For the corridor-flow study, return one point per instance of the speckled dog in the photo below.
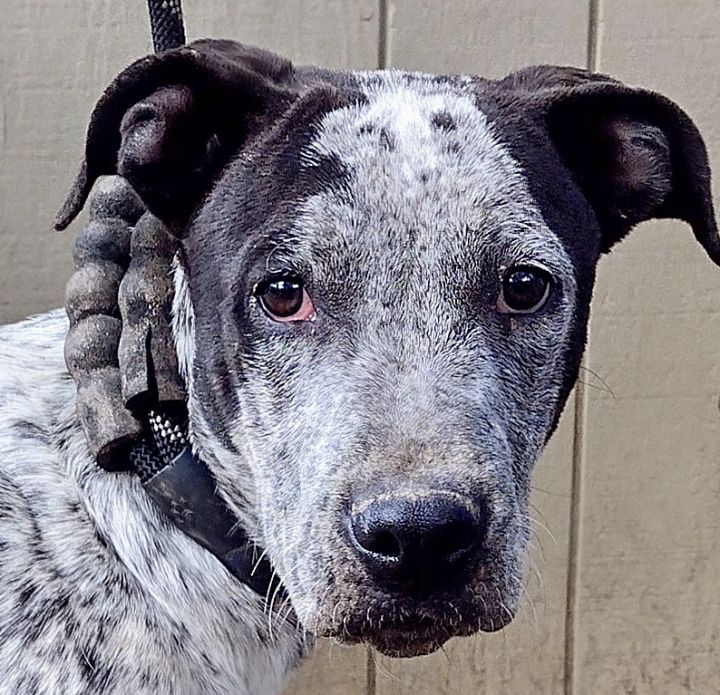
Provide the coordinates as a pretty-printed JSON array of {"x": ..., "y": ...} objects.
[{"x": 381, "y": 306}]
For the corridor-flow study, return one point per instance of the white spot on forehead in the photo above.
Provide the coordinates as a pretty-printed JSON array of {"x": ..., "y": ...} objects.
[
  {"x": 407, "y": 111},
  {"x": 403, "y": 106}
]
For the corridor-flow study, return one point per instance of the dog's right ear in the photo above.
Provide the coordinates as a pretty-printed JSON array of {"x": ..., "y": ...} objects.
[
  {"x": 634, "y": 154},
  {"x": 169, "y": 122}
]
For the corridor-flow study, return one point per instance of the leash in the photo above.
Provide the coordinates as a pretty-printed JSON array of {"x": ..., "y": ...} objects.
[{"x": 166, "y": 24}]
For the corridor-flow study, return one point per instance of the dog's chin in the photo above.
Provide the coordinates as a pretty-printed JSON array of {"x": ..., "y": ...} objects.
[
  {"x": 406, "y": 642},
  {"x": 414, "y": 635},
  {"x": 400, "y": 645}
]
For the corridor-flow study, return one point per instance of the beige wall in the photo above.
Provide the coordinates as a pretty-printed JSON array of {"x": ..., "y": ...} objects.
[{"x": 623, "y": 593}]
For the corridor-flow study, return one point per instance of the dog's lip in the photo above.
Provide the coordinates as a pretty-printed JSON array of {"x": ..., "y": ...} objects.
[
  {"x": 412, "y": 632},
  {"x": 409, "y": 638},
  {"x": 414, "y": 625},
  {"x": 425, "y": 635},
  {"x": 413, "y": 635}
]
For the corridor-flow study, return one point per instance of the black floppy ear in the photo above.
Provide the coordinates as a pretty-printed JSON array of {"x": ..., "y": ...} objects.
[
  {"x": 635, "y": 154},
  {"x": 170, "y": 121}
]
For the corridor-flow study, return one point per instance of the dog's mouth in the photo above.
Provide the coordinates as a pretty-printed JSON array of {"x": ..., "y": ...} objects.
[
  {"x": 415, "y": 636},
  {"x": 409, "y": 633}
]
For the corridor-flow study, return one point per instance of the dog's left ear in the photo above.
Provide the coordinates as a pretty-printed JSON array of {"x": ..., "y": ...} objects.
[
  {"x": 169, "y": 122},
  {"x": 635, "y": 154}
]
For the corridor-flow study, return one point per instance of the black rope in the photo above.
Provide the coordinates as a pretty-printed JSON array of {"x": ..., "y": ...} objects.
[
  {"x": 166, "y": 23},
  {"x": 163, "y": 440}
]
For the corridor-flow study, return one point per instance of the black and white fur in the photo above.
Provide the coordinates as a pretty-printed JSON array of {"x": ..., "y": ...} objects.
[{"x": 400, "y": 198}]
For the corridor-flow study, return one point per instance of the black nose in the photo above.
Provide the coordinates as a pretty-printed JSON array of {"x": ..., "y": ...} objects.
[{"x": 416, "y": 545}]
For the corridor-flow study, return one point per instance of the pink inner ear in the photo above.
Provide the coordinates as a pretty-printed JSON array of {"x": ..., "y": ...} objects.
[{"x": 142, "y": 146}]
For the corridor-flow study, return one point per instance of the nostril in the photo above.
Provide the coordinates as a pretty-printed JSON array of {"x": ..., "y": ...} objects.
[
  {"x": 453, "y": 540},
  {"x": 376, "y": 539},
  {"x": 385, "y": 543}
]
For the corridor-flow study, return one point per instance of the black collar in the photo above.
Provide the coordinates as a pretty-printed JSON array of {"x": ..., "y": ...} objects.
[{"x": 183, "y": 488}]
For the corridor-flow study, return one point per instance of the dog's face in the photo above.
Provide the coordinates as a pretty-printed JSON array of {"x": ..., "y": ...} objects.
[
  {"x": 383, "y": 347},
  {"x": 386, "y": 279}
]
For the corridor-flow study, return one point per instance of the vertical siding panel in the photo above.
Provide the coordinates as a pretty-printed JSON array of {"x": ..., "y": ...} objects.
[
  {"x": 333, "y": 33},
  {"x": 332, "y": 670},
  {"x": 648, "y": 602},
  {"x": 488, "y": 37},
  {"x": 492, "y": 37},
  {"x": 56, "y": 57}
]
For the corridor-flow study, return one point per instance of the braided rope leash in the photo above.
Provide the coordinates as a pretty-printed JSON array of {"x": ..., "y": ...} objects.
[
  {"x": 164, "y": 442},
  {"x": 166, "y": 24}
]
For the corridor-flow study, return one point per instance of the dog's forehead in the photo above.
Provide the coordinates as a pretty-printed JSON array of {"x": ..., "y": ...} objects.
[
  {"x": 409, "y": 128},
  {"x": 423, "y": 165}
]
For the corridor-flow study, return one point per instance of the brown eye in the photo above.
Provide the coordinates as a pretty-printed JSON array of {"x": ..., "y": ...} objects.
[
  {"x": 285, "y": 299},
  {"x": 525, "y": 289}
]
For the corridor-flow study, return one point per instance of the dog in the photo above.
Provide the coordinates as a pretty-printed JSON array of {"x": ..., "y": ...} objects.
[{"x": 381, "y": 308}]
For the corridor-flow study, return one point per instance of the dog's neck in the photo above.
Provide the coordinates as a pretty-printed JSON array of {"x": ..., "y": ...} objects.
[{"x": 199, "y": 431}]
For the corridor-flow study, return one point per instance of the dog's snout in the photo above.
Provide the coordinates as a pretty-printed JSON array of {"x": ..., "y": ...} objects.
[{"x": 416, "y": 545}]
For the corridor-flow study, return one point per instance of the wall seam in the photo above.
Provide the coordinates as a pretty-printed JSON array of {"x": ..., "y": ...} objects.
[
  {"x": 578, "y": 458},
  {"x": 593, "y": 35},
  {"x": 383, "y": 52},
  {"x": 575, "y": 536},
  {"x": 371, "y": 673}
]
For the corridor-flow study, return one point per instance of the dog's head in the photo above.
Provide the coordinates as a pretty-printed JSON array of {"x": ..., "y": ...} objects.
[{"x": 383, "y": 297}]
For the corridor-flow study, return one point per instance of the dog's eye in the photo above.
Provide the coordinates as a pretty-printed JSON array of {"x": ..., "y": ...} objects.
[
  {"x": 525, "y": 289},
  {"x": 285, "y": 299}
]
